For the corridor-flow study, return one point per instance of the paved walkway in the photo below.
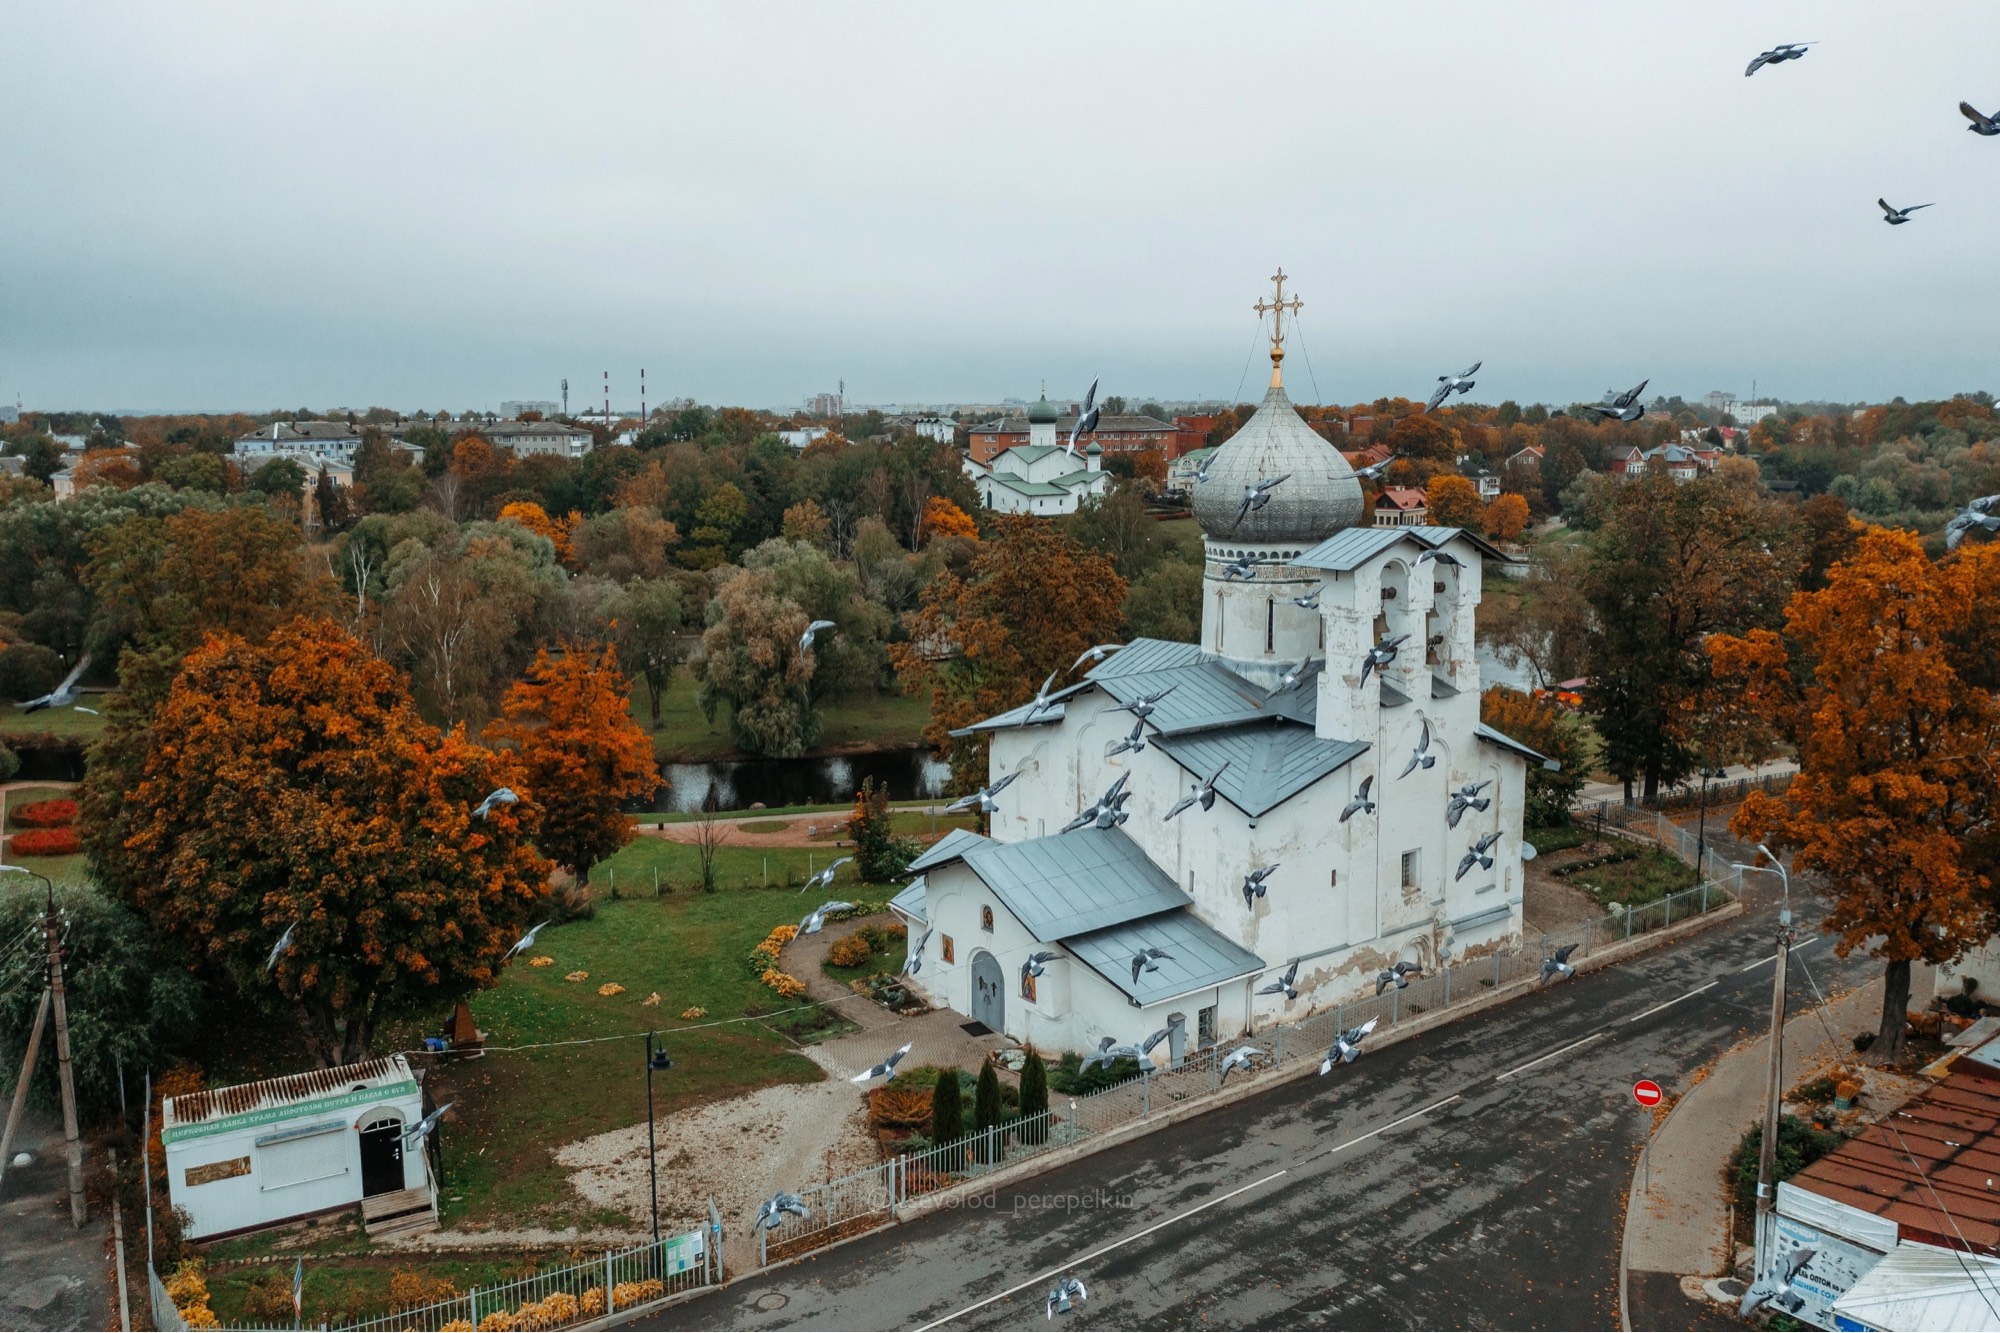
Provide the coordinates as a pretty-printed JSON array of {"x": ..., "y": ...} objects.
[
  {"x": 52, "y": 1276},
  {"x": 1677, "y": 1222}
]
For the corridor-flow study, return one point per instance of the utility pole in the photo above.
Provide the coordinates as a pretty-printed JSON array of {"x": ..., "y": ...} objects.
[
  {"x": 72, "y": 1142},
  {"x": 1767, "y": 1156}
]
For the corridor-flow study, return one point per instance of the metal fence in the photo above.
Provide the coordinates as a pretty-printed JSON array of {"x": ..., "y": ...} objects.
[
  {"x": 548, "y": 1298},
  {"x": 842, "y": 1206}
]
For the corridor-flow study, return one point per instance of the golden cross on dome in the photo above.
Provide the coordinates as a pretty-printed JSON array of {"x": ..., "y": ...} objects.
[{"x": 1277, "y": 308}]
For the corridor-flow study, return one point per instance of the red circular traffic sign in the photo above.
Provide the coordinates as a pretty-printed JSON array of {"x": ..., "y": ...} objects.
[{"x": 1647, "y": 1093}]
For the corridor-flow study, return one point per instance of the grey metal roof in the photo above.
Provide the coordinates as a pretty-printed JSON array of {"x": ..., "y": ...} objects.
[
  {"x": 948, "y": 848},
  {"x": 1073, "y": 882},
  {"x": 1391, "y": 696},
  {"x": 1145, "y": 655},
  {"x": 1442, "y": 688},
  {"x": 911, "y": 900},
  {"x": 1206, "y": 693},
  {"x": 1268, "y": 765},
  {"x": 1202, "y": 956},
  {"x": 1348, "y": 550},
  {"x": 1319, "y": 496},
  {"x": 1432, "y": 535},
  {"x": 1018, "y": 717},
  {"x": 1506, "y": 742}
]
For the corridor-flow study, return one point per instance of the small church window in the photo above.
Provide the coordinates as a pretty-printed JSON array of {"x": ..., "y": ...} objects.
[
  {"x": 948, "y": 950},
  {"x": 1412, "y": 871},
  {"x": 986, "y": 919},
  {"x": 1205, "y": 1026},
  {"x": 1221, "y": 621},
  {"x": 1333, "y": 879},
  {"x": 1270, "y": 622}
]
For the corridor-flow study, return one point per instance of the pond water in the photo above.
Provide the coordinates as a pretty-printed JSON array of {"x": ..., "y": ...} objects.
[
  {"x": 829, "y": 780},
  {"x": 1494, "y": 671}
]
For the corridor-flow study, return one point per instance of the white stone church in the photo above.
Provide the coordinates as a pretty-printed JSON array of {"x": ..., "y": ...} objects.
[{"x": 1347, "y": 898}]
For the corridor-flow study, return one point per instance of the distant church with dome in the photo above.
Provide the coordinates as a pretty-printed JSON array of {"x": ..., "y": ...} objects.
[{"x": 1303, "y": 579}]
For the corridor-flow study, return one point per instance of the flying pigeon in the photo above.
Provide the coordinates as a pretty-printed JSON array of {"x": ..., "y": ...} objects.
[
  {"x": 1293, "y": 678},
  {"x": 1143, "y": 961},
  {"x": 1256, "y": 495},
  {"x": 525, "y": 943},
  {"x": 1110, "y": 1050},
  {"x": 817, "y": 917},
  {"x": 913, "y": 963},
  {"x": 1253, "y": 884},
  {"x": 823, "y": 878},
  {"x": 1094, "y": 655},
  {"x": 1466, "y": 798},
  {"x": 1310, "y": 601},
  {"x": 81, "y": 709},
  {"x": 1374, "y": 471},
  {"x": 1236, "y": 1059},
  {"x": 278, "y": 949},
  {"x": 771, "y": 1213},
  {"x": 1108, "y": 804},
  {"x": 981, "y": 800},
  {"x": 1774, "y": 1284},
  {"x": 1242, "y": 568},
  {"x": 1133, "y": 743},
  {"x": 1286, "y": 985},
  {"x": 1144, "y": 705},
  {"x": 1896, "y": 217},
  {"x": 63, "y": 695},
  {"x": 1985, "y": 125},
  {"x": 1625, "y": 406},
  {"x": 1086, "y": 422},
  {"x": 498, "y": 796},
  {"x": 1397, "y": 976},
  {"x": 886, "y": 1068},
  {"x": 1451, "y": 384},
  {"x": 1037, "y": 963},
  {"x": 1442, "y": 557},
  {"x": 1199, "y": 793},
  {"x": 1777, "y": 55},
  {"x": 1981, "y": 513},
  {"x": 1041, "y": 702},
  {"x": 420, "y": 1131},
  {"x": 1381, "y": 655},
  {"x": 1558, "y": 966},
  {"x": 1201, "y": 471},
  {"x": 1421, "y": 756},
  {"x": 1346, "y": 1046},
  {"x": 812, "y": 631},
  {"x": 1481, "y": 855},
  {"x": 1062, "y": 1294},
  {"x": 1360, "y": 805}
]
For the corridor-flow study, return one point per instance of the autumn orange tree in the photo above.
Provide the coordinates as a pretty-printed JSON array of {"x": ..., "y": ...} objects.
[
  {"x": 580, "y": 750},
  {"x": 527, "y": 514},
  {"x": 942, "y": 518},
  {"x": 1454, "y": 503},
  {"x": 1506, "y": 517},
  {"x": 1885, "y": 680},
  {"x": 1541, "y": 726},
  {"x": 293, "y": 784},
  {"x": 1035, "y": 599}
]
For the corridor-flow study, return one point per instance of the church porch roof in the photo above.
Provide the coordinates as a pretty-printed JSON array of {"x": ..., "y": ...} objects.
[
  {"x": 1202, "y": 956},
  {"x": 1506, "y": 742},
  {"x": 1206, "y": 694},
  {"x": 1267, "y": 765},
  {"x": 910, "y": 902},
  {"x": 1018, "y": 717},
  {"x": 1067, "y": 884}
]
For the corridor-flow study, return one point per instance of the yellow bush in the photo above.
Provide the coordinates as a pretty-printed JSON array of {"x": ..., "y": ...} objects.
[
  {"x": 541, "y": 960},
  {"x": 781, "y": 935},
  {"x": 578, "y": 975},
  {"x": 560, "y": 1309},
  {"x": 592, "y": 1303},
  {"x": 187, "y": 1285},
  {"x": 609, "y": 989},
  {"x": 409, "y": 1287},
  {"x": 199, "y": 1316},
  {"x": 455, "y": 1326},
  {"x": 650, "y": 1000},
  {"x": 627, "y": 1294},
  {"x": 784, "y": 983},
  {"x": 849, "y": 951},
  {"x": 696, "y": 1012},
  {"x": 498, "y": 1322}
]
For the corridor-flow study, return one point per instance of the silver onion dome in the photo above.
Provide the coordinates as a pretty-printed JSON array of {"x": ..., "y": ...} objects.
[{"x": 1318, "y": 499}]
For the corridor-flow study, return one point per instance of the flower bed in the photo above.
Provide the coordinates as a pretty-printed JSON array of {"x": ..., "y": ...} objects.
[
  {"x": 45, "y": 842},
  {"x": 45, "y": 814}
]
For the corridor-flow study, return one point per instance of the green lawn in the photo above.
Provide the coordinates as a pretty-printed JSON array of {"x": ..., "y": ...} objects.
[
  {"x": 631, "y": 871},
  {"x": 876, "y": 721},
  {"x": 56, "y": 721},
  {"x": 1646, "y": 878},
  {"x": 347, "y": 1289}
]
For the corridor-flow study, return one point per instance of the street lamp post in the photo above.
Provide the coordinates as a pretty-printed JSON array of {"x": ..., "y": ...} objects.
[
  {"x": 656, "y": 1059},
  {"x": 1701, "y": 825},
  {"x": 1767, "y": 1156}
]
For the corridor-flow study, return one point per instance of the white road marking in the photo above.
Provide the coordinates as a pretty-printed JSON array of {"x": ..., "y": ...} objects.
[
  {"x": 1595, "y": 1036},
  {"x": 1796, "y": 948},
  {"x": 1391, "y": 1125},
  {"x": 1671, "y": 1003}
]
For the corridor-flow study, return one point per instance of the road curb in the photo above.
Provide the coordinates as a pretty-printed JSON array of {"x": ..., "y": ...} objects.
[{"x": 944, "y": 1200}]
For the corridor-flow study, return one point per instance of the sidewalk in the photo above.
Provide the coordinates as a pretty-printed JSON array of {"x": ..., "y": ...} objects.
[
  {"x": 1676, "y": 1225},
  {"x": 1592, "y": 792}
]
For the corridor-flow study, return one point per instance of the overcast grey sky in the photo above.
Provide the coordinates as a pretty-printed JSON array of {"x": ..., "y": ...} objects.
[{"x": 257, "y": 205}]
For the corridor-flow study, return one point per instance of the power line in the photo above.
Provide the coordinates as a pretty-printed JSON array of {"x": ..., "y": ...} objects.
[
  {"x": 1256, "y": 336},
  {"x": 1299, "y": 327}
]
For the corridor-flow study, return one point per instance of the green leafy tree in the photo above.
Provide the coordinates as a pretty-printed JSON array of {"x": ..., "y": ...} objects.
[
  {"x": 646, "y": 624},
  {"x": 196, "y": 472},
  {"x": 28, "y": 671},
  {"x": 754, "y": 666},
  {"x": 280, "y": 476},
  {"x": 880, "y": 855},
  {"x": 1165, "y": 602}
]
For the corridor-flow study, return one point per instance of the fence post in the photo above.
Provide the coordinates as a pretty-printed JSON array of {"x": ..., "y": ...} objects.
[
  {"x": 611, "y": 1278},
  {"x": 1670, "y": 912},
  {"x": 1704, "y": 895},
  {"x": 1447, "y": 987},
  {"x": 1278, "y": 1042},
  {"x": 472, "y": 1304},
  {"x": 1395, "y": 1006},
  {"x": 1072, "y": 1122},
  {"x": 1146, "y": 1091}
]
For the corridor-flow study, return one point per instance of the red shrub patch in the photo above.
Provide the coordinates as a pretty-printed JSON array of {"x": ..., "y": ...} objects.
[
  {"x": 45, "y": 842},
  {"x": 45, "y": 814}
]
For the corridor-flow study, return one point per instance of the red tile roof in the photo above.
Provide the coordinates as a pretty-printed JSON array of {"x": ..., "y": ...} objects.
[{"x": 1953, "y": 1133}]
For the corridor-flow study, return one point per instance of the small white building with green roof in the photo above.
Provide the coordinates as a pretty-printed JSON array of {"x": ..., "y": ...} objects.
[{"x": 1039, "y": 479}]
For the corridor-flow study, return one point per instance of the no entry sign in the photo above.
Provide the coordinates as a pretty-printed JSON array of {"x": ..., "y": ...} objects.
[{"x": 1647, "y": 1093}]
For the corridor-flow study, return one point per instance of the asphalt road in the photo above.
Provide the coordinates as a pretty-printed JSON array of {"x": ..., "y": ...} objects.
[{"x": 1471, "y": 1177}]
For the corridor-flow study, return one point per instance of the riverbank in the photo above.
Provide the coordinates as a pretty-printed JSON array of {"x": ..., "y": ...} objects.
[{"x": 861, "y": 724}]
